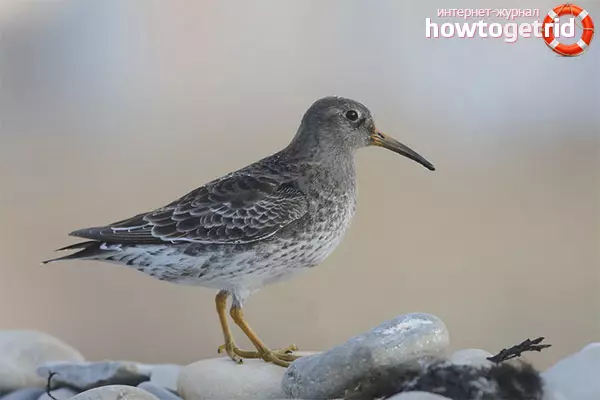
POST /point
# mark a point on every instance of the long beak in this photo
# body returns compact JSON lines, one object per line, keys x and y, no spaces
{"x":381,"y":140}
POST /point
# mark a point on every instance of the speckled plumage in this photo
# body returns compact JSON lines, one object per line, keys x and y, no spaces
{"x":260,"y":224}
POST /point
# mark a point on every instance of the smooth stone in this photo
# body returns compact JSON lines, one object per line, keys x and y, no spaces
{"x":88,"y":375}
{"x":166,"y":376}
{"x":160,"y":392}
{"x":553,"y":395}
{"x":24,"y":394}
{"x":409,"y":338}
{"x":58,"y":394}
{"x":418,"y":396}
{"x":21,"y":352}
{"x":474,"y":357}
{"x":577,"y":376}
{"x":115,"y":392}
{"x":221,"y":378}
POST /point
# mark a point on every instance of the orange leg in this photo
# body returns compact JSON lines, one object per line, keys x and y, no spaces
{"x":278,"y":357}
{"x":235,"y":353}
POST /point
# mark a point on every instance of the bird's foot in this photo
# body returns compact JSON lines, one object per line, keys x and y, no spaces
{"x":235,"y":353}
{"x":282,"y":357}
{"x":287,"y":350}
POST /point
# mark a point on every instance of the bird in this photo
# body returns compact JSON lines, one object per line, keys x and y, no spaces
{"x":256,"y":226}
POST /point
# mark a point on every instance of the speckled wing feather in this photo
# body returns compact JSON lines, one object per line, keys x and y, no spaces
{"x":235,"y":209}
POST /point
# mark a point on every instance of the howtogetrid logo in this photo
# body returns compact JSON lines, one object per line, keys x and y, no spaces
{"x":551,"y":29}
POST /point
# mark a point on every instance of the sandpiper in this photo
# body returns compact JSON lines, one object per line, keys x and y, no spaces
{"x":255,"y":226}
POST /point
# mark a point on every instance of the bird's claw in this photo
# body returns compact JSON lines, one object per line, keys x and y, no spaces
{"x":235,"y":353}
{"x":287,"y":350}
{"x":282,"y":357}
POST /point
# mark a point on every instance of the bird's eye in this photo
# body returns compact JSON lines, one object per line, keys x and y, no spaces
{"x":351,"y":115}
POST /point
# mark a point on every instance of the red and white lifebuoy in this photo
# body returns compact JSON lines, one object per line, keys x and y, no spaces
{"x":582,"y":44}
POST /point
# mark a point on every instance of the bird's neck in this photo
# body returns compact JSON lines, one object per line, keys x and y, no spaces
{"x":330,"y":171}
{"x":328,"y":158}
{"x":313,"y":148}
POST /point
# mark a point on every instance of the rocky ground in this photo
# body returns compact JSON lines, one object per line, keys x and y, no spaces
{"x":402,"y":359}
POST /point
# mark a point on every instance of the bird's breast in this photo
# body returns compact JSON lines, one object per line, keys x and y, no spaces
{"x":330,"y":214}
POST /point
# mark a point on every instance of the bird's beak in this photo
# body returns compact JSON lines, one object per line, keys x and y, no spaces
{"x":381,"y":140}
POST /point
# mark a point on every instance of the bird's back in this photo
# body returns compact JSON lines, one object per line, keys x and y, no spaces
{"x":260,"y":223}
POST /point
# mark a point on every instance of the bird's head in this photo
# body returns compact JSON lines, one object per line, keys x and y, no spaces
{"x":336,"y":124}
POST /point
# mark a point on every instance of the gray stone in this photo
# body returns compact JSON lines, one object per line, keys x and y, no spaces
{"x":59,"y":394}
{"x":166,"y":376}
{"x":223,"y":379}
{"x":550,"y":394}
{"x":24,"y":394}
{"x":22,"y":351}
{"x":475,"y":357}
{"x":88,"y":375}
{"x":160,"y":392}
{"x":115,"y":392}
{"x":411,"y":338}
{"x":575,"y":377}
{"x":418,"y":396}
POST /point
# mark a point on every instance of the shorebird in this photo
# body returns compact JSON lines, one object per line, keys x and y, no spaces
{"x":255,"y":226}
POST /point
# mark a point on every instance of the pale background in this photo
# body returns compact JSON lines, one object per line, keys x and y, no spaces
{"x":109,"y":108}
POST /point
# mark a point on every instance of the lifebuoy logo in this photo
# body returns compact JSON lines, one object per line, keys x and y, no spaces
{"x":587,"y":27}
{"x":554,"y":31}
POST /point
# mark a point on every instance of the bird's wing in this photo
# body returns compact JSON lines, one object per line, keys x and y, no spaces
{"x":235,"y":209}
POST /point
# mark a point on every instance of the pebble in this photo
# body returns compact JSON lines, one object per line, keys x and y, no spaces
{"x":576,"y":377}
{"x":88,"y":375}
{"x":223,"y":379}
{"x":115,"y":392}
{"x":58,"y":394}
{"x":410,"y":338}
{"x":165,"y":375}
{"x":475,"y":357}
{"x":160,"y":392}
{"x":21,"y":352}
{"x":550,"y":394}
{"x":24,"y":394}
{"x":418,"y":396}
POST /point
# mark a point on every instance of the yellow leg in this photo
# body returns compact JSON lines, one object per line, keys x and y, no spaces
{"x":235,"y":353}
{"x":281,"y":357}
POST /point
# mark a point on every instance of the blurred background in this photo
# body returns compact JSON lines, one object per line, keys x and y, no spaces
{"x":109,"y":108}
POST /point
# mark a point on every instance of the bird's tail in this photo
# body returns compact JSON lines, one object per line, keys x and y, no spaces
{"x":87,"y":250}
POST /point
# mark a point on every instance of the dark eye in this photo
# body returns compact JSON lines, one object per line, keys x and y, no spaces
{"x":351,"y":115}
